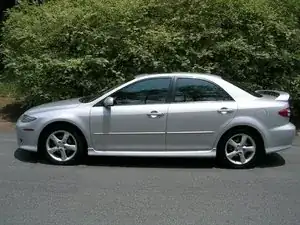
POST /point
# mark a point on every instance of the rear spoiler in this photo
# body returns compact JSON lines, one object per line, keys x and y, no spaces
{"x":276,"y":95}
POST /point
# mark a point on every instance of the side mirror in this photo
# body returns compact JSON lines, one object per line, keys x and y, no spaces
{"x":108,"y":102}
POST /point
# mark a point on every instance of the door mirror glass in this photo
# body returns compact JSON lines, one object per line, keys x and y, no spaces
{"x":108,"y":102}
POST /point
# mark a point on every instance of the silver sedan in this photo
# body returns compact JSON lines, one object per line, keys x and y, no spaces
{"x":162,"y":115}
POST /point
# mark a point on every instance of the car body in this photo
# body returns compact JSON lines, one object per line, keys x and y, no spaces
{"x":169,"y":115}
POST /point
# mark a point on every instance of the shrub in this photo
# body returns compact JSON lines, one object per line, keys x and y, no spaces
{"x":68,"y":48}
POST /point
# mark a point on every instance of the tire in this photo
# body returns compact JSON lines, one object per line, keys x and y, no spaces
{"x":60,"y":151}
{"x":240,"y":148}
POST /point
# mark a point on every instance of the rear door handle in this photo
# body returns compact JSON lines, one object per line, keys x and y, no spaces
{"x":155,"y":114}
{"x":225,"y":110}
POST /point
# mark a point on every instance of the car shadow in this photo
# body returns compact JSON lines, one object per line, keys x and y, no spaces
{"x":272,"y":160}
{"x":26,"y":156}
{"x":150,"y":162}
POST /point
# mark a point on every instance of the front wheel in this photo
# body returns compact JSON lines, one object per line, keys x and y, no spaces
{"x":240,"y":149}
{"x":62,"y":145}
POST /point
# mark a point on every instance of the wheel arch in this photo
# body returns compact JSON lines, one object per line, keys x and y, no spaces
{"x":66,"y":123}
{"x":247,"y":127}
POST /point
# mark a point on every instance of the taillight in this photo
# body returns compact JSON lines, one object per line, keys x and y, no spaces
{"x":285,"y":112}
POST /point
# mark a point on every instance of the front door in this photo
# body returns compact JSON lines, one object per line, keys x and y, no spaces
{"x":200,"y":109}
{"x":136,"y":121}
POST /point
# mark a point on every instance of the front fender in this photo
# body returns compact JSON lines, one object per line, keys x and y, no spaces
{"x":80,"y":119}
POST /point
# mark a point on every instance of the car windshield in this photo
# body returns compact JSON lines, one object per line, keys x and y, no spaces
{"x":90,"y":98}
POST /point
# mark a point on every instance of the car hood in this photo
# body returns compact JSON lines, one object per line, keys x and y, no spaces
{"x":59,"y":105}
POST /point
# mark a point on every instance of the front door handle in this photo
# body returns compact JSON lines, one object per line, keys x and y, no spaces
{"x":225,"y":110}
{"x":155,"y":114}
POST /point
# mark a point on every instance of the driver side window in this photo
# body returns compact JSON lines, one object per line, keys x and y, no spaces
{"x":149,"y":91}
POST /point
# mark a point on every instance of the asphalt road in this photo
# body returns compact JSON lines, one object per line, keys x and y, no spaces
{"x":129,"y":191}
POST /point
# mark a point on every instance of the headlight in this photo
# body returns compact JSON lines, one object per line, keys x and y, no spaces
{"x":27,"y":119}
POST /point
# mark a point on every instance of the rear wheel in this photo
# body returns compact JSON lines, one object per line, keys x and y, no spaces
{"x":62,"y":145}
{"x":240,"y":148}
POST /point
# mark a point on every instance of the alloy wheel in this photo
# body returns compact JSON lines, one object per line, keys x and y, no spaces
{"x":240,"y":149}
{"x":61,"y":146}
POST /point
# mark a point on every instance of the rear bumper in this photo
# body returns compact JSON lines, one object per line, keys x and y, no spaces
{"x":281,"y":138}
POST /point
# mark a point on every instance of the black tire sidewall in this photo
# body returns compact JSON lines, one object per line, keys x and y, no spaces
{"x":221,"y":157}
{"x":78,"y":157}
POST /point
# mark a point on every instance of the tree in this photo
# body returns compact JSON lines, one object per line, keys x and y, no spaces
{"x":68,"y":48}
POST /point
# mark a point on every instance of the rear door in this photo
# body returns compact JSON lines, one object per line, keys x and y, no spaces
{"x":199,"y":110}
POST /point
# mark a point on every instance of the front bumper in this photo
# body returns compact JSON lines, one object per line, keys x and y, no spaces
{"x":27,"y":137}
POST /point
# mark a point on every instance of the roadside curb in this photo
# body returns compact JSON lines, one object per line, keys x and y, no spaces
{"x":6,"y":126}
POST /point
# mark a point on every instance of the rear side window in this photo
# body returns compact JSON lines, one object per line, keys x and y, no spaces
{"x":197,"y":90}
{"x":150,"y":91}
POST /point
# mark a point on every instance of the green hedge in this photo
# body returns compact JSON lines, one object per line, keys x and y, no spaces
{"x":68,"y":48}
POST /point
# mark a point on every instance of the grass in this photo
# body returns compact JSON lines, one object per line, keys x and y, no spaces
{"x":8,"y":90}
{"x":7,"y":94}
{"x":10,"y":108}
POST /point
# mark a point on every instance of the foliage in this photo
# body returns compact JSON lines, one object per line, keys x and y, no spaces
{"x":8,"y":90}
{"x":68,"y":48}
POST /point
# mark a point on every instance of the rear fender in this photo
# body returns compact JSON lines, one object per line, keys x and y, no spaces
{"x":245,"y":121}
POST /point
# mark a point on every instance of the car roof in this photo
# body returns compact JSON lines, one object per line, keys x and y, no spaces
{"x":180,"y":74}
{"x":234,"y":91}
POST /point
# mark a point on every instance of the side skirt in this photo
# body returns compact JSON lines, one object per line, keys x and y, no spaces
{"x":208,"y":154}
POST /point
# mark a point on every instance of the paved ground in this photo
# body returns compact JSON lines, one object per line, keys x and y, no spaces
{"x":147,"y":191}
